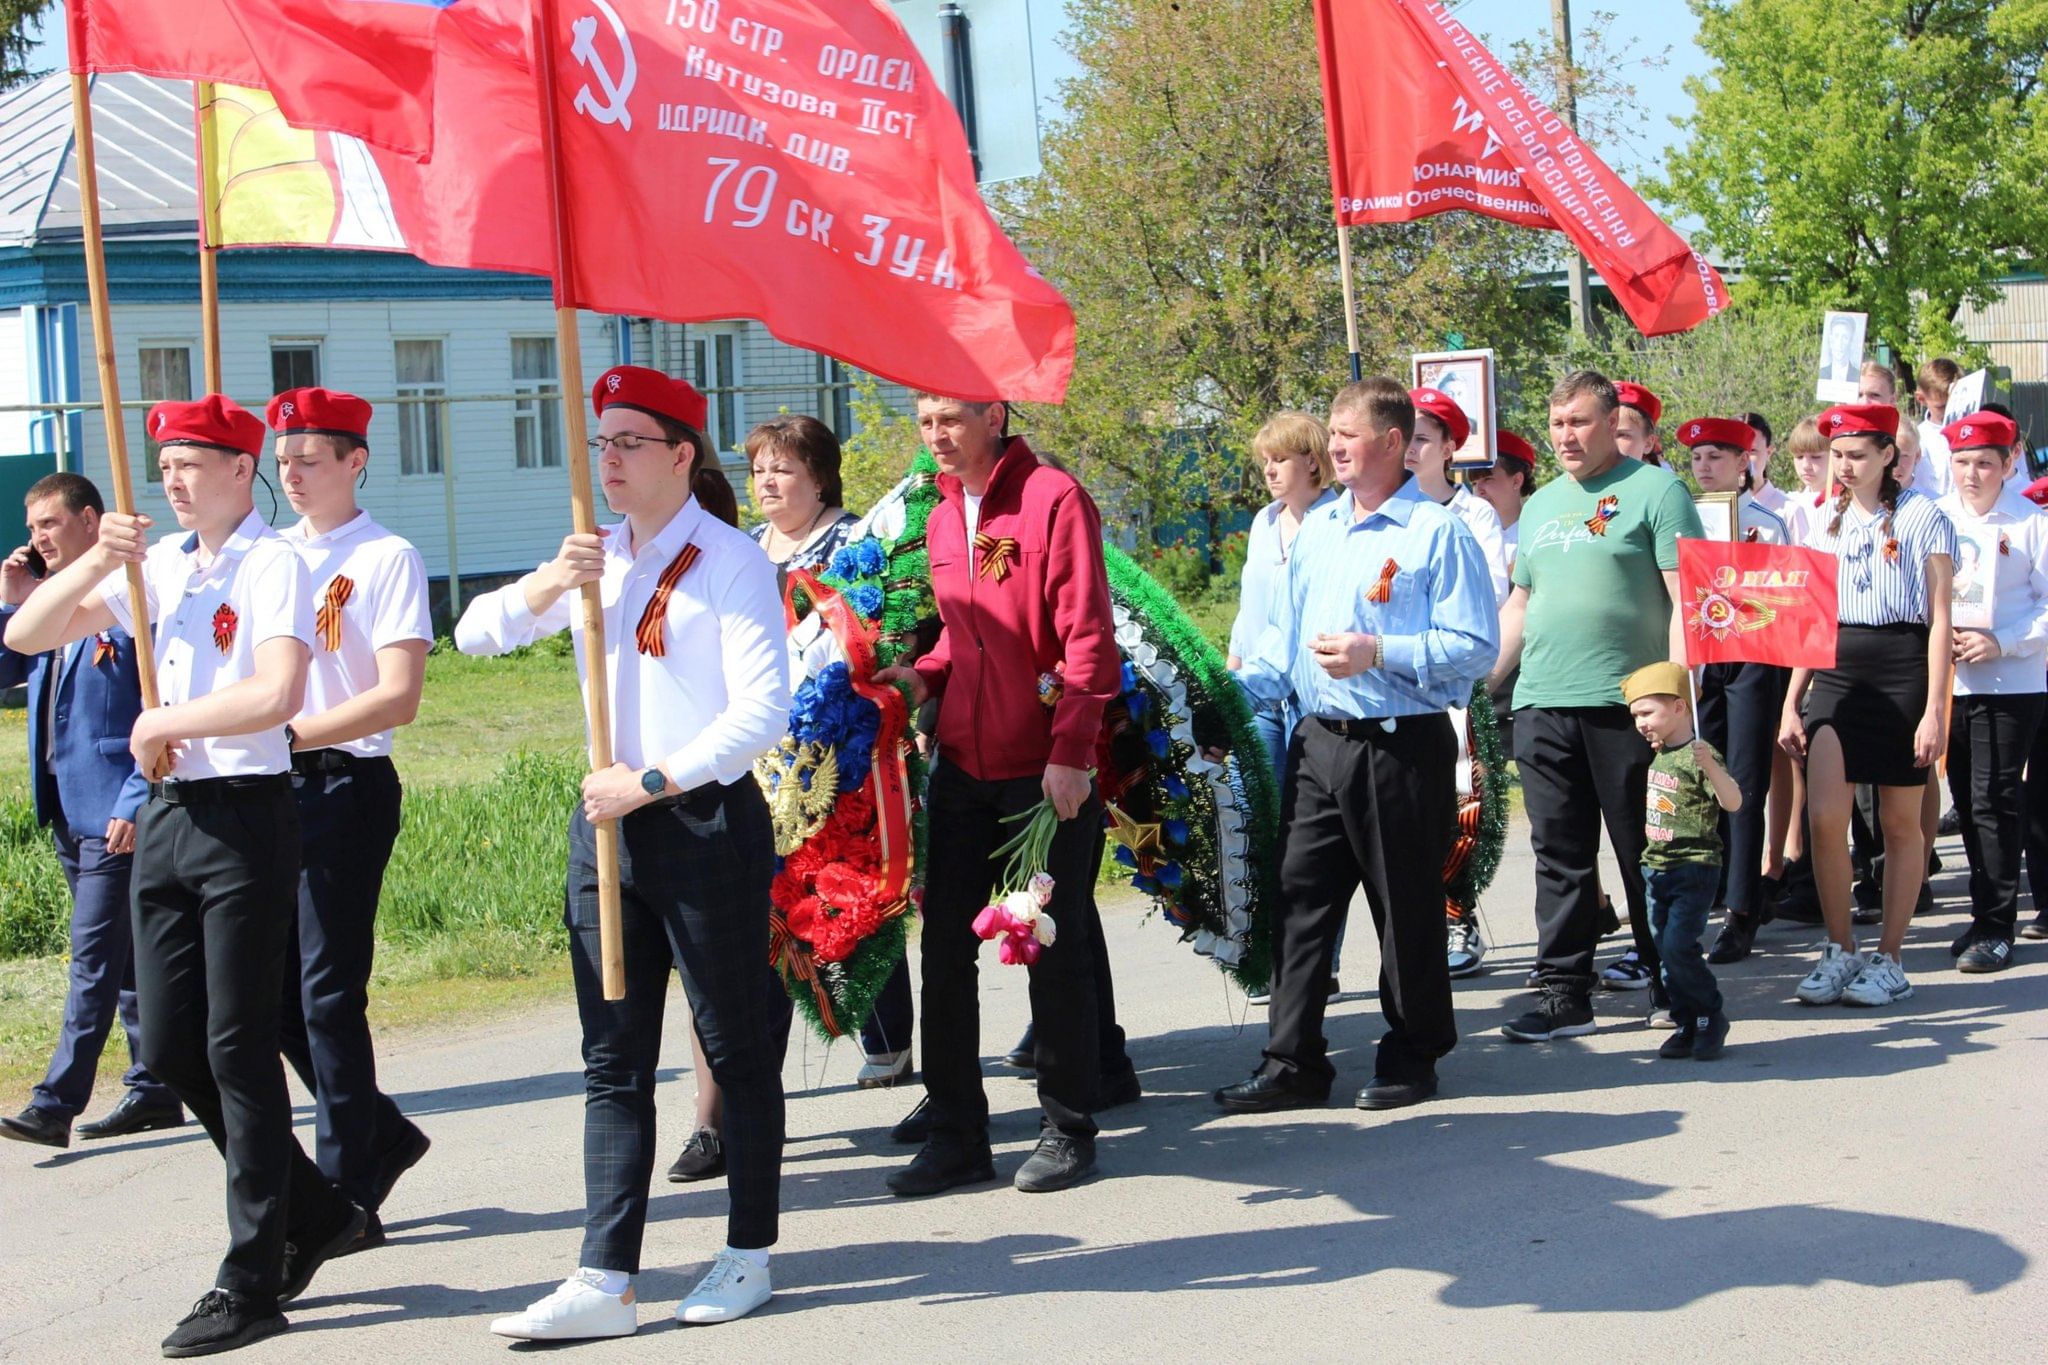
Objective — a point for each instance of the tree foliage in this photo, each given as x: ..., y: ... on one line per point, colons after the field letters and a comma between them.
x: 20, y: 27
x: 1881, y: 155
x: 1185, y: 210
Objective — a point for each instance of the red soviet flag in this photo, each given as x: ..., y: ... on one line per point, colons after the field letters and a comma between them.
x: 1422, y: 120
x: 790, y: 161
x: 1756, y: 603
x: 359, y: 67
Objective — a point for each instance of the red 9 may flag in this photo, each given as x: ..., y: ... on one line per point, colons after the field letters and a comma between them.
x: 1422, y: 120
x: 1756, y: 603
x: 790, y: 161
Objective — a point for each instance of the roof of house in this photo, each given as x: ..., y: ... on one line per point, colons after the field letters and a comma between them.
x: 148, y: 164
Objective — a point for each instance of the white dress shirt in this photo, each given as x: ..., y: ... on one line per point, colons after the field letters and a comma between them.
x: 1759, y: 524
x: 1483, y: 522
x: 1932, y: 475
x: 379, y: 585
x: 1770, y: 497
x: 208, y: 620
x: 718, y: 698
x: 2019, y: 596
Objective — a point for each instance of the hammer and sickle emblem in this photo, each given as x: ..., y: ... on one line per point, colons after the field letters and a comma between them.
x: 583, y: 47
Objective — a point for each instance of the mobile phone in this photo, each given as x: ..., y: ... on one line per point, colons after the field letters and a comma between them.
x: 36, y: 566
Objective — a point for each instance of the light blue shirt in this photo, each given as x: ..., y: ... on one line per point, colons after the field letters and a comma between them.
x: 1438, y: 624
x: 1265, y: 568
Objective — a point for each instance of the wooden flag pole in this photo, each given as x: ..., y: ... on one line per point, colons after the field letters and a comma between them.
x: 209, y: 236
x: 1350, y: 301
x: 110, y: 379
x: 583, y: 514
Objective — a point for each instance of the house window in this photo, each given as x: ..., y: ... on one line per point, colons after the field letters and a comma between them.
x: 836, y: 409
x: 714, y: 369
x: 536, y: 420
x: 294, y: 365
x: 166, y: 378
x: 422, y: 373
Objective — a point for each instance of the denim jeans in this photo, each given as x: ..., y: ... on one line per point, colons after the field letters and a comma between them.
x: 1680, y: 900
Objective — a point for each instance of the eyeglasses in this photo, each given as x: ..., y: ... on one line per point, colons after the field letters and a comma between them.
x: 626, y: 444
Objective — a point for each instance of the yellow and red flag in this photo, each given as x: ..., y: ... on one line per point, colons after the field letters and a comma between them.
x: 1755, y: 603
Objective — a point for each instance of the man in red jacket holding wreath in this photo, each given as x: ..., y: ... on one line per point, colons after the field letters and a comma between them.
x: 1024, y: 665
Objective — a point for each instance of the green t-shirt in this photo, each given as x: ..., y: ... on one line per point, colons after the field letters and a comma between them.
x: 1592, y: 557
x: 1681, y: 816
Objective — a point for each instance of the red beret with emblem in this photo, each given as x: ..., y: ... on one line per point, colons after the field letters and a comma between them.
x: 1445, y: 409
x: 1859, y: 419
x: 319, y: 412
x: 210, y: 421
x: 1513, y: 447
x: 1633, y: 395
x: 651, y: 391
x: 1716, y: 431
x: 1981, y: 429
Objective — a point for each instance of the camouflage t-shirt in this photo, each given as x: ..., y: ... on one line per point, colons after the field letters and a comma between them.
x: 1682, y: 817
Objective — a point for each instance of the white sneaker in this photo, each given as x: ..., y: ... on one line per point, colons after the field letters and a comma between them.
x: 734, y: 1288
x: 1838, y: 966
x: 577, y: 1310
x: 1467, y: 947
x: 884, y: 1069
x: 1881, y: 982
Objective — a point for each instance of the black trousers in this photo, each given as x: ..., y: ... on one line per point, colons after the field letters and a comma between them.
x: 1740, y: 706
x: 213, y: 896
x: 1987, y: 752
x: 1582, y: 766
x: 694, y: 878
x: 349, y: 821
x: 966, y: 826
x: 102, y: 977
x: 2034, y: 829
x: 1376, y: 808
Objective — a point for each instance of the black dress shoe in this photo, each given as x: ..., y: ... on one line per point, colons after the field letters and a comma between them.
x: 1385, y: 1094
x: 134, y: 1114
x: 914, y: 1127
x: 369, y: 1239
x: 1024, y: 1056
x: 703, y: 1156
x: 1264, y: 1093
x: 1737, y: 936
x: 38, y: 1126
x: 1060, y: 1162
x: 939, y: 1167
x: 1990, y: 953
x: 222, y: 1321
x: 321, y: 1247
x: 402, y: 1156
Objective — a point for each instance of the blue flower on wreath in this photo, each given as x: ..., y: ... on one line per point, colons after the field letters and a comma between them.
x: 827, y: 711
x: 1176, y: 832
x: 1175, y: 788
x: 1125, y: 856
x: 1169, y: 875
x: 1157, y: 742
x: 866, y: 599
x: 863, y: 559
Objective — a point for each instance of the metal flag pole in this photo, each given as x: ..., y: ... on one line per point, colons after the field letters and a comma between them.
x: 583, y: 512
x: 110, y: 379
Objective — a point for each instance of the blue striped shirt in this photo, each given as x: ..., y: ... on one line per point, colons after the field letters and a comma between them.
x: 1873, y: 587
x: 1265, y: 567
x: 1438, y: 624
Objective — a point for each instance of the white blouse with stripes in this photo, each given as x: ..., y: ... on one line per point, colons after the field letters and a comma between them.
x: 1882, y: 579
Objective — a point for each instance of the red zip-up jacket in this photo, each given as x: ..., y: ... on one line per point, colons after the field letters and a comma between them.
x: 1003, y: 629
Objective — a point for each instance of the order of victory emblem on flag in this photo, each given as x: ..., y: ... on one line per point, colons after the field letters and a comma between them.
x: 1722, y: 610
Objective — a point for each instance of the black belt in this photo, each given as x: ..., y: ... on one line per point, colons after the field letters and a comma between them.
x: 216, y: 791
x: 1358, y: 729
x: 307, y: 762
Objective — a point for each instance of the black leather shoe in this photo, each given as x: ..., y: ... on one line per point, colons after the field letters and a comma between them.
x: 1710, y: 1033
x: 914, y: 1127
x: 38, y: 1126
x: 300, y: 1262
x: 1990, y: 953
x: 1024, y: 1056
x: 703, y: 1156
x: 402, y: 1157
x: 134, y: 1114
x: 1263, y: 1093
x: 1385, y: 1094
x: 1119, y: 1089
x: 940, y: 1167
x: 1060, y: 1163
x: 1737, y: 936
x: 369, y: 1239
x: 222, y: 1321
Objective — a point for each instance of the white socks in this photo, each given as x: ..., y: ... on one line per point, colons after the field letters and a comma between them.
x: 612, y: 1282
x: 759, y: 1258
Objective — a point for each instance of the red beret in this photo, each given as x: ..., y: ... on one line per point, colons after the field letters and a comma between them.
x: 2037, y: 491
x: 1634, y: 395
x: 211, y: 421
x: 1981, y: 429
x: 1441, y: 406
x: 639, y: 387
x: 1513, y: 447
x: 1717, y: 431
x: 1859, y: 419
x: 319, y: 412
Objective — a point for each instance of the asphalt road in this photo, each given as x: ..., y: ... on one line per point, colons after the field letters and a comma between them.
x: 1842, y: 1185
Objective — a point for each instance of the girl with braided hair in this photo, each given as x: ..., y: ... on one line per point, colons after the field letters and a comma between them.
x: 1880, y: 715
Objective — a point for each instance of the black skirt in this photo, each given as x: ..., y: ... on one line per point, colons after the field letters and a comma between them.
x: 1873, y: 699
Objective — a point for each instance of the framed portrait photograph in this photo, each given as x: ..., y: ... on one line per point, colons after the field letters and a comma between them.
x: 1841, y: 357
x: 1467, y: 378
x: 1976, y: 580
x: 1720, y: 516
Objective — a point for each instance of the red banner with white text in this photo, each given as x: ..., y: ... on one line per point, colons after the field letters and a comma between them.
x: 1422, y: 120
x: 791, y: 161
x: 1755, y: 603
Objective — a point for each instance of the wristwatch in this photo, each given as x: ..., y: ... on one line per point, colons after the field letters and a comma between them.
x: 653, y: 781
